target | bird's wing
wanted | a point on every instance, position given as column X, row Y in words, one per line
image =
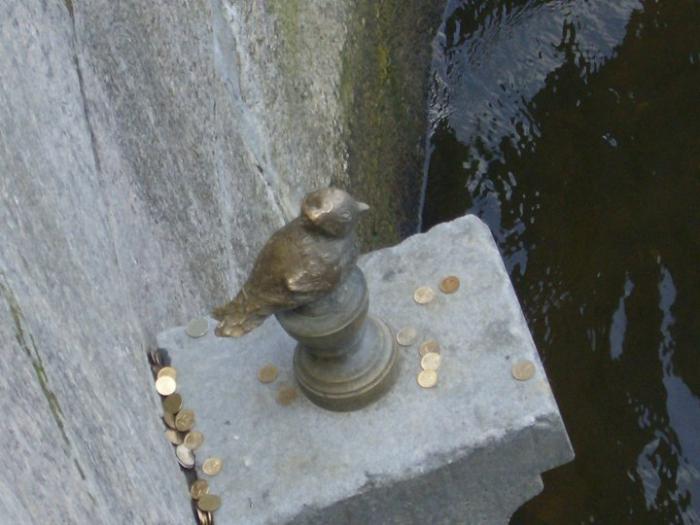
column 319, row 279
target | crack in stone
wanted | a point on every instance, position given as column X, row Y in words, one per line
column 27, row 343
column 81, row 84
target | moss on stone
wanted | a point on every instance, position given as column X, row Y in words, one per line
column 28, row 345
column 383, row 92
column 286, row 12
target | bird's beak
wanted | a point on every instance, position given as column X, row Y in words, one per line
column 362, row 207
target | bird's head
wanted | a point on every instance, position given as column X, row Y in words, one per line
column 332, row 211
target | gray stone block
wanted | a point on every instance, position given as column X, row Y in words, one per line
column 468, row 451
column 147, row 150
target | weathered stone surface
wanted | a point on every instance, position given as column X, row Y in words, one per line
column 147, row 149
column 469, row 451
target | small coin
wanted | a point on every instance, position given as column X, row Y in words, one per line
column 173, row 436
column 430, row 361
column 427, row 378
column 169, row 420
column 209, row 502
column 429, row 346
column 406, row 336
column 193, row 440
column 165, row 385
column 286, row 394
column 523, row 370
column 184, row 420
column 449, row 284
column 199, row 488
column 423, row 295
column 212, row 466
column 167, row 371
column 197, row 327
column 204, row 517
column 267, row 374
column 172, row 404
column 184, row 456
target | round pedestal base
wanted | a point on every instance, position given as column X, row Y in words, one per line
column 351, row 381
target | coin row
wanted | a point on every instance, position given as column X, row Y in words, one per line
column 179, row 432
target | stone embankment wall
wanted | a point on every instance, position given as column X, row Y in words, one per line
column 147, row 149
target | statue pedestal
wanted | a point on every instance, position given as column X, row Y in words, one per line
column 344, row 360
column 469, row 450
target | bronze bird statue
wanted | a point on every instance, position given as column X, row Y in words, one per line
column 299, row 264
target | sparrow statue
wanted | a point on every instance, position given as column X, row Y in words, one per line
column 300, row 263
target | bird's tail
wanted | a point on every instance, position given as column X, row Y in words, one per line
column 239, row 316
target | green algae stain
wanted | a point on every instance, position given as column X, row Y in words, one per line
column 287, row 13
column 27, row 343
column 383, row 91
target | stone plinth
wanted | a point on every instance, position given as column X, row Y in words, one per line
column 468, row 451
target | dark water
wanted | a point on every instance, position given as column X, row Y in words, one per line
column 573, row 129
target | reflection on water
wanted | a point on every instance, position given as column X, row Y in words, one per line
column 573, row 129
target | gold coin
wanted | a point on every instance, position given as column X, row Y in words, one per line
column 165, row 385
column 430, row 346
column 212, row 466
column 184, row 420
column 267, row 374
column 167, row 371
column 204, row 517
column 523, row 370
column 449, row 284
column 172, row 404
column 427, row 378
column 423, row 295
column 193, row 440
column 406, row 336
column 197, row 327
column 430, row 361
column 199, row 488
column 184, row 456
column 286, row 394
column 173, row 436
column 169, row 420
column 209, row 502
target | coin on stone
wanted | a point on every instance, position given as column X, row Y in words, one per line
column 173, row 436
column 429, row 346
column 193, row 440
column 423, row 295
column 204, row 517
column 197, row 327
column 165, row 385
column 427, row 378
column 172, row 404
column 199, row 488
column 449, row 284
column 167, row 371
column 286, row 394
column 212, row 466
column 209, row 502
column 406, row 336
column 184, row 420
column 267, row 374
column 184, row 456
column 430, row 361
column 523, row 370
column 169, row 420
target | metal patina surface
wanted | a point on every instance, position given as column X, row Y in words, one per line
column 306, row 274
